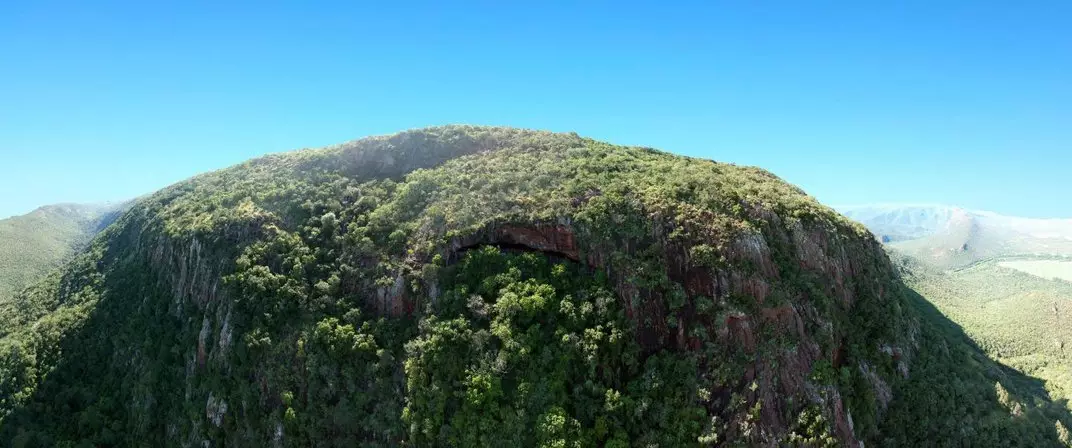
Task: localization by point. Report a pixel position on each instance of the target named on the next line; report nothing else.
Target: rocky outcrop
(555, 239)
(781, 373)
(191, 272)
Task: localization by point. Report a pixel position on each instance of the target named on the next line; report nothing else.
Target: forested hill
(34, 244)
(474, 286)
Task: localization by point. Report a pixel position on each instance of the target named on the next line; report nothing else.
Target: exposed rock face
(393, 300)
(883, 394)
(202, 340)
(192, 274)
(215, 409)
(779, 375)
(782, 374)
(553, 239)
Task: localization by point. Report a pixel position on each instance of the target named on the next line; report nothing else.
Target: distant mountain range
(1007, 281)
(33, 244)
(955, 237)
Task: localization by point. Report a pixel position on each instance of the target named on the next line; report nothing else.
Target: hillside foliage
(1016, 318)
(34, 244)
(363, 295)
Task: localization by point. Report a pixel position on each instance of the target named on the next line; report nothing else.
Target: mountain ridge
(954, 237)
(464, 286)
(33, 244)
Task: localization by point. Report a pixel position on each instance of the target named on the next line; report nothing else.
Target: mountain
(475, 286)
(953, 237)
(31, 245)
(901, 222)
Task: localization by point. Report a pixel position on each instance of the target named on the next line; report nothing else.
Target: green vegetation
(1018, 319)
(469, 286)
(957, 396)
(523, 352)
(34, 244)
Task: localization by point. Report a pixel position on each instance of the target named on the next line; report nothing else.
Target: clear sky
(966, 103)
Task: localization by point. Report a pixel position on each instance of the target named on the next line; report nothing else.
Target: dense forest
(1016, 318)
(474, 286)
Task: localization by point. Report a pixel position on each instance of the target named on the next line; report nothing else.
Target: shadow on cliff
(955, 333)
(85, 400)
(957, 396)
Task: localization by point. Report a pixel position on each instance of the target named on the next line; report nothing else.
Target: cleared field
(1047, 269)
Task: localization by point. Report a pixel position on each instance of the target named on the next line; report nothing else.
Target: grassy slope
(1060, 269)
(31, 245)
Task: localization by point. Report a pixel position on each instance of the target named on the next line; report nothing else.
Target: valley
(1009, 288)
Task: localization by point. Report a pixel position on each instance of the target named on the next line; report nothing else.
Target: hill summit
(476, 286)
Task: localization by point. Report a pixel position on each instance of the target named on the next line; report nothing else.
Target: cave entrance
(554, 241)
(514, 248)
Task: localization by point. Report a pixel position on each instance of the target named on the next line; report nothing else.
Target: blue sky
(966, 103)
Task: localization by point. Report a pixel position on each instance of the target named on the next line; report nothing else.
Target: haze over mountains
(1006, 280)
(955, 237)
